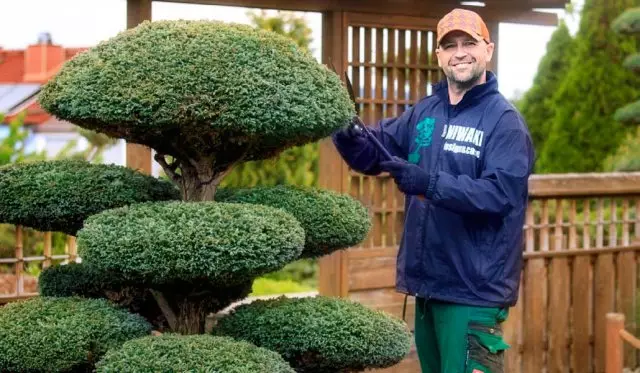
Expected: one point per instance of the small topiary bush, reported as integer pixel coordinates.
(331, 221)
(167, 242)
(62, 334)
(60, 195)
(320, 334)
(196, 353)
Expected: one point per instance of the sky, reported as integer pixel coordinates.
(83, 23)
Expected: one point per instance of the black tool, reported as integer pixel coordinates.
(358, 125)
(356, 122)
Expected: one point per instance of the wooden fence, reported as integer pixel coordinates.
(616, 335)
(581, 244)
(21, 264)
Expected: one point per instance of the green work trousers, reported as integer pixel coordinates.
(452, 338)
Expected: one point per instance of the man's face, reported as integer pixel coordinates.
(463, 58)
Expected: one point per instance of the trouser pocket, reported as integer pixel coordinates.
(485, 349)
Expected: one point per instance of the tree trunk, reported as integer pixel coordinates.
(191, 318)
(194, 190)
(198, 180)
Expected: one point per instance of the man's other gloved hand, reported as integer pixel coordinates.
(411, 179)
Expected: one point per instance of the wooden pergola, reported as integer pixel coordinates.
(355, 34)
(337, 14)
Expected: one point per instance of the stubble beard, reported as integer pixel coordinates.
(464, 84)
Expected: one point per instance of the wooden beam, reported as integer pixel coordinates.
(584, 185)
(504, 11)
(138, 156)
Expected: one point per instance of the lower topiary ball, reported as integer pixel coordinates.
(63, 334)
(193, 353)
(320, 334)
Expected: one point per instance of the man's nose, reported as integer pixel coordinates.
(460, 51)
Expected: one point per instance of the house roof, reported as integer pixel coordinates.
(23, 72)
(14, 94)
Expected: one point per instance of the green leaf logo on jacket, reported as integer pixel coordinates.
(423, 139)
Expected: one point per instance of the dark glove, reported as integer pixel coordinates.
(349, 134)
(411, 179)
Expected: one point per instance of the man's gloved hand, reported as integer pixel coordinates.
(410, 178)
(349, 134)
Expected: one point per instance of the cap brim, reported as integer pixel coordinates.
(468, 32)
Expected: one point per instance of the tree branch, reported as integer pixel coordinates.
(166, 309)
(170, 169)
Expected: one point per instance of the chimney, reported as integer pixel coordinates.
(42, 60)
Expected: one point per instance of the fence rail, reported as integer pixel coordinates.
(16, 280)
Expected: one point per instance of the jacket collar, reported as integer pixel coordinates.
(441, 89)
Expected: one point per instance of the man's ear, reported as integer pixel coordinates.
(490, 49)
(438, 57)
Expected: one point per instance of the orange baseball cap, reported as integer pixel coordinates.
(463, 20)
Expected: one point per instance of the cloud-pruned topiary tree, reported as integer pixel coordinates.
(207, 96)
(210, 95)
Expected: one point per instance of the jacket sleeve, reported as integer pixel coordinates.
(503, 183)
(361, 153)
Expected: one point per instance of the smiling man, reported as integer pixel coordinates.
(462, 156)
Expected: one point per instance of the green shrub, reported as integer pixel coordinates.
(60, 195)
(196, 353)
(331, 221)
(320, 334)
(594, 87)
(222, 93)
(628, 22)
(79, 279)
(167, 242)
(62, 334)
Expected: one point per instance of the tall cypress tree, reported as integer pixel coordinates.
(535, 105)
(583, 131)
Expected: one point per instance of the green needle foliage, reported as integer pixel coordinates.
(628, 23)
(166, 242)
(583, 130)
(60, 195)
(194, 353)
(331, 221)
(536, 105)
(209, 94)
(63, 334)
(321, 334)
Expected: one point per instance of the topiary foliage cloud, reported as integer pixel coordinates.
(60, 195)
(189, 253)
(320, 334)
(194, 353)
(331, 221)
(209, 94)
(63, 334)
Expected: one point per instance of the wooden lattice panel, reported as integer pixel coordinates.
(391, 68)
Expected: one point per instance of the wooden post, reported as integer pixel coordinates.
(138, 156)
(332, 170)
(19, 253)
(614, 345)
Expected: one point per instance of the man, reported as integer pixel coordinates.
(463, 157)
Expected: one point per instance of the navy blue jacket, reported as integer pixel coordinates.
(463, 242)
